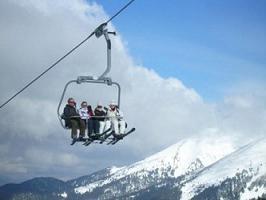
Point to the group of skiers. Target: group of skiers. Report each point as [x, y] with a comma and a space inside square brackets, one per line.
[97, 121]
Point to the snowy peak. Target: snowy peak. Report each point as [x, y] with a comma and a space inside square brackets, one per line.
[197, 168]
[185, 154]
[182, 158]
[247, 163]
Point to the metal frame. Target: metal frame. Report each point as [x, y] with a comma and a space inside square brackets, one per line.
[102, 79]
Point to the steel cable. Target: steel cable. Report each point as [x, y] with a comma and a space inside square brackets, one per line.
[63, 57]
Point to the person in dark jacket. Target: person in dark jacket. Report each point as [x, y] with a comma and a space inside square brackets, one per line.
[72, 119]
[100, 113]
[95, 123]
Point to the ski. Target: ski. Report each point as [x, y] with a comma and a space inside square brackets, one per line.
[106, 137]
[118, 137]
[88, 142]
[77, 140]
[100, 137]
[74, 140]
[103, 133]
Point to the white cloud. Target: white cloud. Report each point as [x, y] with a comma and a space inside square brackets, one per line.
[244, 110]
[44, 157]
[36, 33]
[14, 166]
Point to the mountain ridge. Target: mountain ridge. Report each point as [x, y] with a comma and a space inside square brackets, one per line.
[169, 174]
[221, 170]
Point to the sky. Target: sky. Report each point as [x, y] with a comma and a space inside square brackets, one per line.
[209, 45]
[187, 69]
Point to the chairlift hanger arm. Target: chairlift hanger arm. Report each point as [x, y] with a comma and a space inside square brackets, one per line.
[102, 30]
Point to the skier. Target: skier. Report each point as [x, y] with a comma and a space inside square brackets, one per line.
[100, 114]
[86, 114]
[115, 119]
[72, 119]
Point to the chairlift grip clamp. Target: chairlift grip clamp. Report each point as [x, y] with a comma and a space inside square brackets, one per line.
[99, 31]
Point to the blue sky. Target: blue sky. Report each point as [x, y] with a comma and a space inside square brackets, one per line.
[209, 45]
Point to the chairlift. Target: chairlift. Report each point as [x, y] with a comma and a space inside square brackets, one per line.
[102, 79]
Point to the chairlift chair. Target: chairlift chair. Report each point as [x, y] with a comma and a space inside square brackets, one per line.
[102, 79]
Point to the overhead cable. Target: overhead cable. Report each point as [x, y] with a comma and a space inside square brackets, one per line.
[64, 56]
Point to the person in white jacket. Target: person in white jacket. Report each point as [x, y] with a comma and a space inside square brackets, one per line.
[86, 114]
[115, 119]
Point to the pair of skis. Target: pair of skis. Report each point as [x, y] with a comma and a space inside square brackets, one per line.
[114, 139]
[90, 139]
[117, 137]
[103, 137]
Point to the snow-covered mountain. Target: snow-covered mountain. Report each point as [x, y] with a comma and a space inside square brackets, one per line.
[196, 168]
[240, 175]
[181, 159]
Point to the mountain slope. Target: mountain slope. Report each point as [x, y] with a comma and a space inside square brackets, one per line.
[197, 168]
[175, 162]
[240, 175]
[37, 188]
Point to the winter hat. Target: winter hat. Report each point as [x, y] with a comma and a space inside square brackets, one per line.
[84, 103]
[71, 100]
[113, 103]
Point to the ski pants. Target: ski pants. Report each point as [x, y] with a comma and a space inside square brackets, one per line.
[118, 126]
[75, 125]
[93, 126]
[102, 126]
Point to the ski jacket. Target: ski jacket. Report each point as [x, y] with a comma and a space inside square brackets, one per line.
[90, 111]
[84, 113]
[69, 111]
[114, 114]
[100, 113]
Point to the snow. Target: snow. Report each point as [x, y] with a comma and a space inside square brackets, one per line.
[250, 157]
[181, 158]
[114, 169]
[88, 188]
[212, 159]
[254, 193]
[181, 155]
[64, 195]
